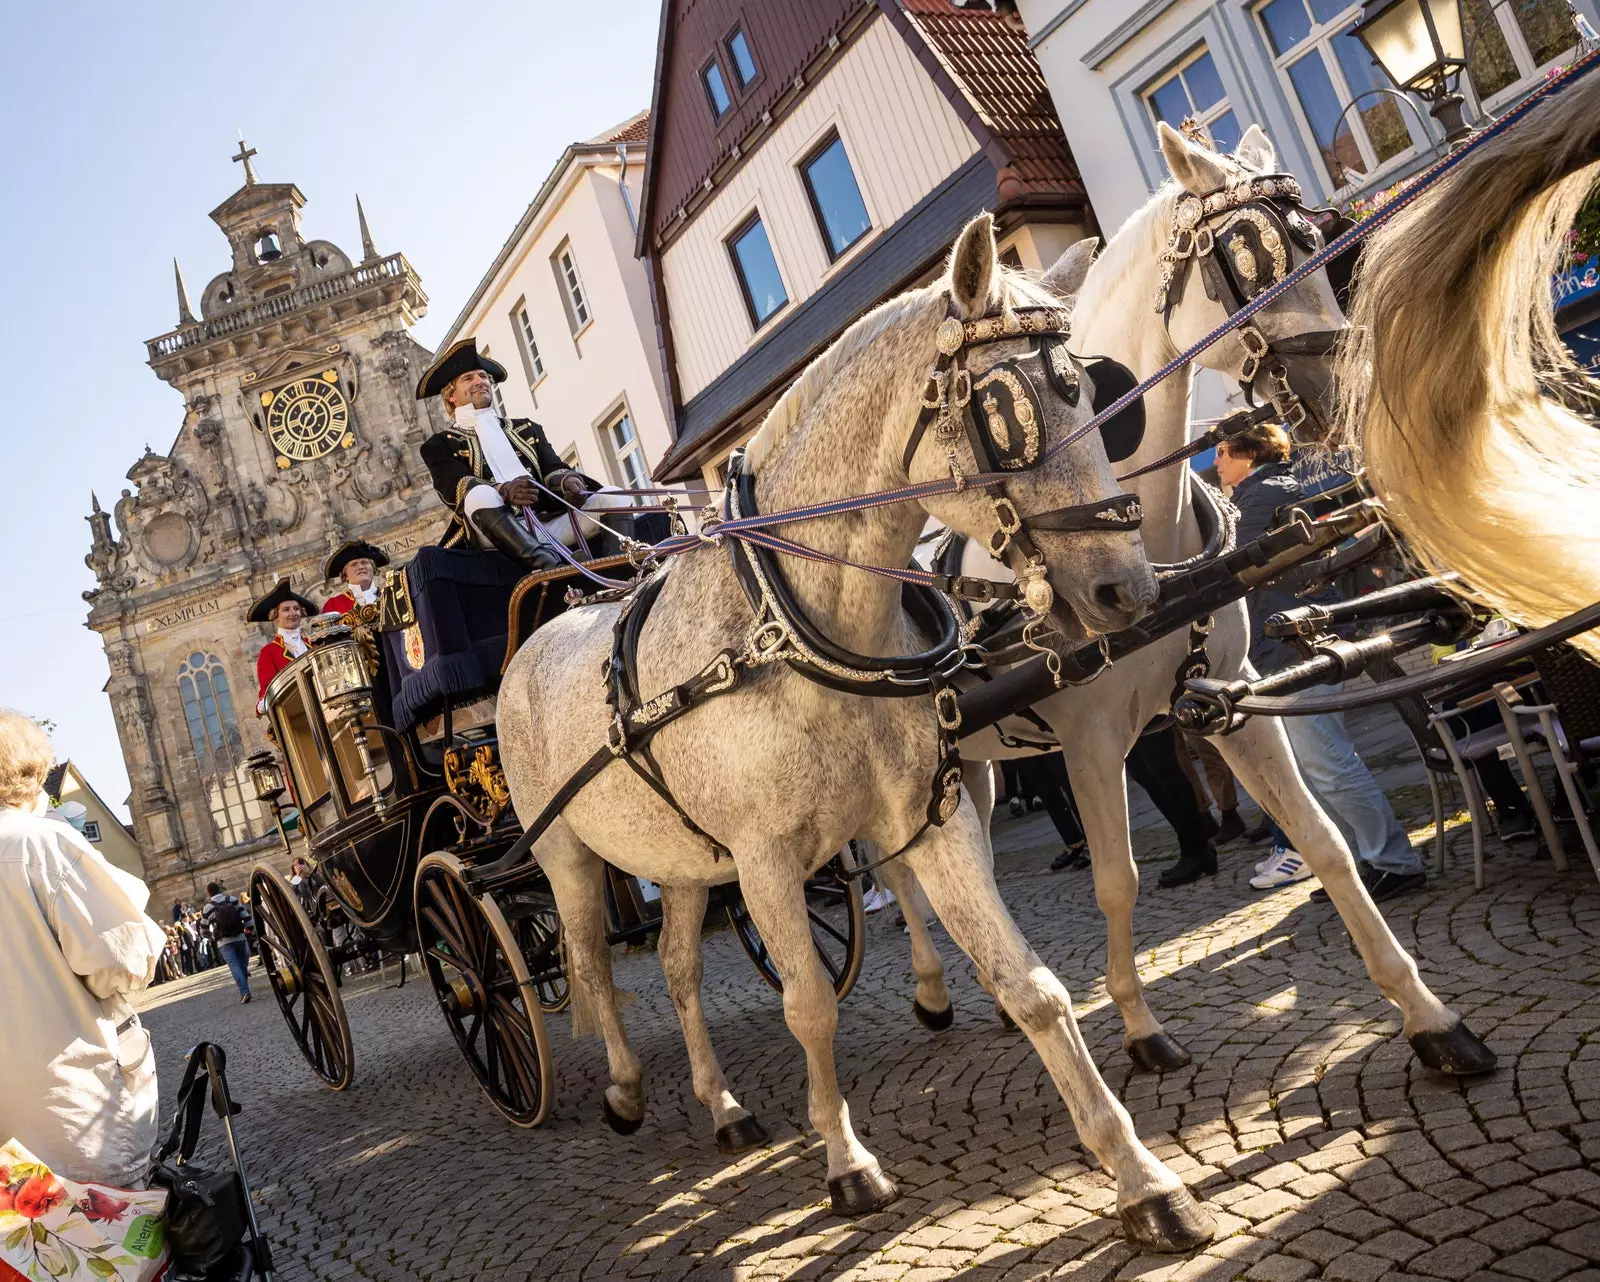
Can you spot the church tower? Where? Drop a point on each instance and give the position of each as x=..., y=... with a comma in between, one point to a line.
x=299, y=432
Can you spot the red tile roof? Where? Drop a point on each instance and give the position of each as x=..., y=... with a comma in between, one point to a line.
x=636, y=130
x=986, y=54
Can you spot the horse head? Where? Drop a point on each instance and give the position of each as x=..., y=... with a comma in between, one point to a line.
x=1236, y=227
x=1004, y=390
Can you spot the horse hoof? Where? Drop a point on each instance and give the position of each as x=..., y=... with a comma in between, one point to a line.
x=616, y=1121
x=1169, y=1222
x=742, y=1135
x=936, y=1020
x=1157, y=1053
x=861, y=1192
x=1457, y=1051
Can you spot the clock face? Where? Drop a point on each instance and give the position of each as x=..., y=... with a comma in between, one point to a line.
x=308, y=418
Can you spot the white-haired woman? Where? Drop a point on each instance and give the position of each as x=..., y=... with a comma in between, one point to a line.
x=77, y=1072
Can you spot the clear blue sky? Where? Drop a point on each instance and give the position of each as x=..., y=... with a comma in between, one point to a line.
x=117, y=122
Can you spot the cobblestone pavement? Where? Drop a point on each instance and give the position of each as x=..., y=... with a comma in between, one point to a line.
x=1305, y=1122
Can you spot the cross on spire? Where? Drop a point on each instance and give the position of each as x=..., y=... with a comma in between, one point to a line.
x=245, y=152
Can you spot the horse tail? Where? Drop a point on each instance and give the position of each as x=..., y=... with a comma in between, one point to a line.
x=1469, y=412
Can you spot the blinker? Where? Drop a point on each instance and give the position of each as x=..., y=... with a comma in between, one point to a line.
x=1123, y=432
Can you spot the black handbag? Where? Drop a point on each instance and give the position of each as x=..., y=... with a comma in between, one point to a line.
x=207, y=1211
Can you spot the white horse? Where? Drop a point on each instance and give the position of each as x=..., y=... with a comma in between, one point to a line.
x=1097, y=723
x=783, y=770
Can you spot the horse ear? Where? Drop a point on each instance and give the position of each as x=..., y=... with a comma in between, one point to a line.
x=1255, y=149
x=1065, y=278
x=1196, y=169
x=972, y=267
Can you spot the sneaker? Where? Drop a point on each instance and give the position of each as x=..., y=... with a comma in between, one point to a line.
x=877, y=899
x=244, y=999
x=1017, y=808
x=1284, y=868
x=1380, y=885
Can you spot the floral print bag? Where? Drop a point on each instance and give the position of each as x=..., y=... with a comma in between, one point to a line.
x=53, y=1229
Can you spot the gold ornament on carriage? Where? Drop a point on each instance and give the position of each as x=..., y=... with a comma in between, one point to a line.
x=480, y=782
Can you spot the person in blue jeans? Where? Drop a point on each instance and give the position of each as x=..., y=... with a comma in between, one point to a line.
x=224, y=914
x=1255, y=463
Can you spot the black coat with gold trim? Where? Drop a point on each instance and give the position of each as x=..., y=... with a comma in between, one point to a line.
x=455, y=463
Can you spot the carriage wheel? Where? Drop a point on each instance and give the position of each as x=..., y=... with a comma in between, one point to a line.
x=544, y=949
x=484, y=989
x=838, y=927
x=302, y=977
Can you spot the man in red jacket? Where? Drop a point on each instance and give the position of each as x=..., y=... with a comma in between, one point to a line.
x=356, y=564
x=284, y=609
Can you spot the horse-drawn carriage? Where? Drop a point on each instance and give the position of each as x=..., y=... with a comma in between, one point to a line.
x=386, y=748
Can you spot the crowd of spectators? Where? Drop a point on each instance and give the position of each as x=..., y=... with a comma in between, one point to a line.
x=217, y=931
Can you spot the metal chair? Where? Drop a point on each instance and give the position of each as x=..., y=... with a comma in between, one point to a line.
x=1568, y=728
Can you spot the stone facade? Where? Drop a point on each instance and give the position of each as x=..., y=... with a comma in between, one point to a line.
x=299, y=432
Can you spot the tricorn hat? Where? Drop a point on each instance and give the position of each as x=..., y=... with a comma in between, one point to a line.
x=261, y=611
x=452, y=363
x=333, y=567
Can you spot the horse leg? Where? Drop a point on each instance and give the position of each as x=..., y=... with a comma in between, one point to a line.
x=683, y=911
x=1157, y=1212
x=777, y=904
x=932, y=1002
x=1260, y=756
x=577, y=878
x=1101, y=787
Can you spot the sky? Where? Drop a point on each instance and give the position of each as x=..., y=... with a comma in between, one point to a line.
x=117, y=122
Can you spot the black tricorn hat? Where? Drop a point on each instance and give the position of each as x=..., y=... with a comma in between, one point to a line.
x=261, y=611
x=452, y=363
x=333, y=567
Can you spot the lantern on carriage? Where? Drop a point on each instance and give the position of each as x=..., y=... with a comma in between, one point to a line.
x=1421, y=46
x=266, y=775
x=344, y=689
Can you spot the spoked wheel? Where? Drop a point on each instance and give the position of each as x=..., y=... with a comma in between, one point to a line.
x=838, y=927
x=484, y=989
x=537, y=926
x=302, y=978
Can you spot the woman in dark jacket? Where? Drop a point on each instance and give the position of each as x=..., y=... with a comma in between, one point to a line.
x=1255, y=463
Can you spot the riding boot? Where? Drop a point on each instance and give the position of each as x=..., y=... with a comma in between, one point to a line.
x=506, y=533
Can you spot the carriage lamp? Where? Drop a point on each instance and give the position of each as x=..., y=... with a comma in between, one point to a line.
x=266, y=775
x=340, y=676
x=1421, y=46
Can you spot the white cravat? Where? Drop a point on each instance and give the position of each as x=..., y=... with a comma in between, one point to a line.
x=363, y=596
x=293, y=642
x=505, y=464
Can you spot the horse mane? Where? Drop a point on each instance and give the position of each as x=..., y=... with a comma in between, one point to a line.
x=1475, y=425
x=1019, y=289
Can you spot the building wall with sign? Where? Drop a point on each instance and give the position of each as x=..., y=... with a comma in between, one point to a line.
x=298, y=431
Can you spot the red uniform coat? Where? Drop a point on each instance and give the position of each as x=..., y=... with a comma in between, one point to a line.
x=341, y=604
x=273, y=659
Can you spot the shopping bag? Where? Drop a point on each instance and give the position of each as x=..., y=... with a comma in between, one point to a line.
x=53, y=1229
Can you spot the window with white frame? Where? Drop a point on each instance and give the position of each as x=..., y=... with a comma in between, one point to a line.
x=570, y=283
x=532, y=365
x=1194, y=90
x=1511, y=42
x=91, y=830
x=1325, y=70
x=623, y=442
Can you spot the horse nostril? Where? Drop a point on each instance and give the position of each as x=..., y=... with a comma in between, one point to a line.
x=1114, y=594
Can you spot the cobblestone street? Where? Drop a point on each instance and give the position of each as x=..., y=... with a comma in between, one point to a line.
x=1305, y=1122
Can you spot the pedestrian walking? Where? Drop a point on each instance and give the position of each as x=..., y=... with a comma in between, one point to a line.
x=224, y=917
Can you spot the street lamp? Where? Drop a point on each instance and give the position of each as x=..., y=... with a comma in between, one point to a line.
x=1421, y=46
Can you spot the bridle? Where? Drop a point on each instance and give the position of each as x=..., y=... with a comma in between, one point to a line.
x=1001, y=414
x=1240, y=236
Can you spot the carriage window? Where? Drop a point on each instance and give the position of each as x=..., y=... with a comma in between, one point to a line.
x=1193, y=91
x=313, y=793
x=356, y=785
x=1357, y=130
x=218, y=749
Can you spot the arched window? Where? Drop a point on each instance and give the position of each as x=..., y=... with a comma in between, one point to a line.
x=218, y=749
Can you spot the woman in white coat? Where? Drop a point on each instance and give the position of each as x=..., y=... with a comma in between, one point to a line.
x=77, y=1071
